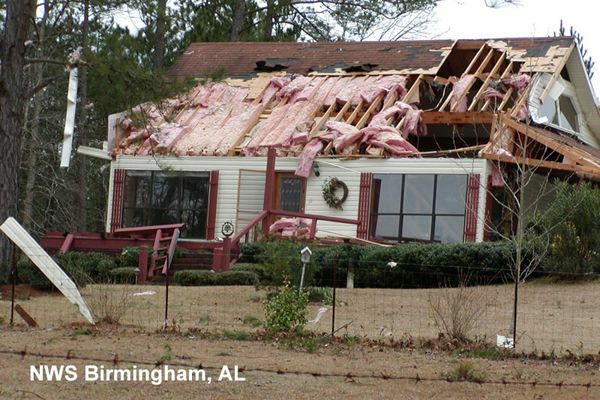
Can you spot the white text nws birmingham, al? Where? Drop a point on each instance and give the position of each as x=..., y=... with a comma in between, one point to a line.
x=156, y=376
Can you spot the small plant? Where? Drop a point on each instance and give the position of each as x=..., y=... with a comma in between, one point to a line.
x=456, y=311
x=224, y=354
x=466, y=371
x=82, y=332
x=109, y=303
x=252, y=321
x=235, y=335
x=168, y=353
x=321, y=295
x=286, y=311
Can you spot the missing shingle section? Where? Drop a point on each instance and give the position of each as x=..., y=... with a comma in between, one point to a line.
x=274, y=64
x=368, y=67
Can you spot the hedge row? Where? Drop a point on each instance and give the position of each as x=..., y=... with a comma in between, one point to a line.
x=83, y=268
x=209, y=278
x=401, y=266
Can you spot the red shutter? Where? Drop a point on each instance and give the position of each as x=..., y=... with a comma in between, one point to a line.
x=472, y=208
x=116, y=216
x=364, y=205
x=212, y=205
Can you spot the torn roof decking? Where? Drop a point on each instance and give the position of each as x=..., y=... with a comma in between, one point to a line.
x=242, y=59
x=239, y=59
x=338, y=79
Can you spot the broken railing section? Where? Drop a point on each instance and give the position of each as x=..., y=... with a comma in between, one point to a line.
x=164, y=243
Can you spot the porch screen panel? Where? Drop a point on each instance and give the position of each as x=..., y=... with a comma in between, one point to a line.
x=156, y=198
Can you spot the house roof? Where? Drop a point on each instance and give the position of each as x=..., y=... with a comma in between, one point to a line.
x=415, y=56
x=368, y=99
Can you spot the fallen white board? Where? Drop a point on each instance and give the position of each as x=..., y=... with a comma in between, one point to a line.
x=46, y=264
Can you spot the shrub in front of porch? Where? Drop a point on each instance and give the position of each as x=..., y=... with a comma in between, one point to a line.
x=401, y=266
x=209, y=278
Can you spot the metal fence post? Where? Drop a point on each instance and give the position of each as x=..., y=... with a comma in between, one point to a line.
x=333, y=278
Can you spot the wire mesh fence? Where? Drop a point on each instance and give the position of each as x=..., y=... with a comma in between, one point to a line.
x=554, y=314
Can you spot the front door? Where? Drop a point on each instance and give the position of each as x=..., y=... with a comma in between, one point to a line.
x=289, y=192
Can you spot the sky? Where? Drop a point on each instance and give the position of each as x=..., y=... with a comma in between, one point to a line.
x=471, y=19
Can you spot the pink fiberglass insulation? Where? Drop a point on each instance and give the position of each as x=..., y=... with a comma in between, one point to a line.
x=347, y=134
x=340, y=87
x=296, y=227
x=522, y=113
x=299, y=138
x=265, y=127
x=398, y=110
x=166, y=136
x=309, y=90
x=311, y=149
x=203, y=128
x=395, y=85
x=275, y=85
x=388, y=85
x=518, y=82
x=291, y=92
x=300, y=115
x=282, y=122
x=348, y=92
x=229, y=127
x=458, y=89
x=497, y=177
x=492, y=94
x=412, y=124
x=135, y=136
x=372, y=89
x=388, y=138
x=235, y=126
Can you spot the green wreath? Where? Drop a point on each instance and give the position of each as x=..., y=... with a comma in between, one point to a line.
x=329, y=188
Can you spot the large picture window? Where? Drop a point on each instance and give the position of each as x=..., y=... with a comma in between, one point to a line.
x=156, y=198
x=409, y=207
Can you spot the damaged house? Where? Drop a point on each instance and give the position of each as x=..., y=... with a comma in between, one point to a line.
x=375, y=141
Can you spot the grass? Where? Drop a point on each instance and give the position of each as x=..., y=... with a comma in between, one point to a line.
x=485, y=352
x=466, y=371
x=252, y=321
x=235, y=335
x=205, y=319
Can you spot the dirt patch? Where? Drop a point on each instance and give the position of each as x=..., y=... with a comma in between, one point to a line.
x=272, y=370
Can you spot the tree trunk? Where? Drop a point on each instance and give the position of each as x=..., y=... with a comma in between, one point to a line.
x=238, y=20
x=81, y=189
x=269, y=20
x=159, y=36
x=12, y=100
x=27, y=215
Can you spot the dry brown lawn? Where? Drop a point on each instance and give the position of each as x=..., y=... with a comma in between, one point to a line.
x=553, y=317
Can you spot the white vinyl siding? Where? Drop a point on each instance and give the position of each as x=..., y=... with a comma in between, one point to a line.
x=347, y=171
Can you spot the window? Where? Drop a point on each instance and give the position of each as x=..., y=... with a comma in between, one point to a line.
x=156, y=198
x=419, y=207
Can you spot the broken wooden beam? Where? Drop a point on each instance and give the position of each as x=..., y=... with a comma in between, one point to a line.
x=26, y=317
x=447, y=117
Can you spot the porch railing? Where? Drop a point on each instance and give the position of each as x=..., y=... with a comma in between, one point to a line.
x=230, y=250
